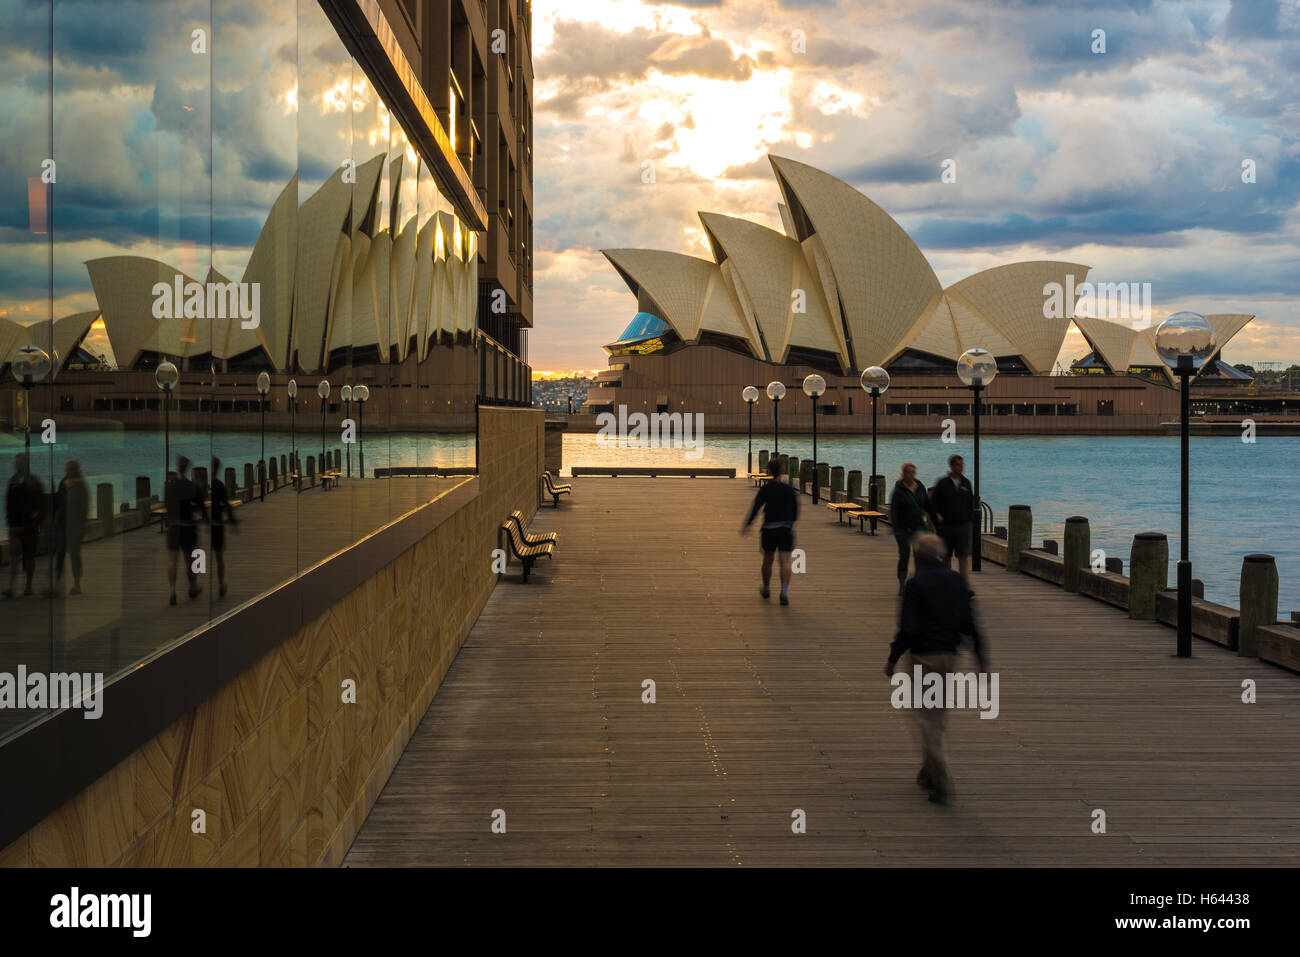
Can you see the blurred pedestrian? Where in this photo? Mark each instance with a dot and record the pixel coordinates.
(908, 509)
(952, 502)
(780, 506)
(25, 509)
(218, 516)
(71, 508)
(182, 499)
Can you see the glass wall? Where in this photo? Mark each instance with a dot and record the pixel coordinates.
(236, 320)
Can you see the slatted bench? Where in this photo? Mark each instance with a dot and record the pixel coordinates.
(329, 478)
(840, 508)
(554, 490)
(526, 553)
(518, 518)
(864, 515)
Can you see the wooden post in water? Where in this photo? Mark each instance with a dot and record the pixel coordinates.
(1078, 548)
(1020, 533)
(805, 477)
(248, 480)
(855, 484)
(763, 456)
(837, 482)
(823, 476)
(1258, 601)
(1148, 571)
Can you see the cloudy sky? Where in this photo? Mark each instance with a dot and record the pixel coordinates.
(1130, 160)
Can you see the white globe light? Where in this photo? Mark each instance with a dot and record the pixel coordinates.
(1185, 334)
(977, 367)
(30, 364)
(814, 385)
(345, 393)
(323, 388)
(875, 380)
(263, 383)
(166, 376)
(750, 394)
(361, 393)
(775, 391)
(292, 388)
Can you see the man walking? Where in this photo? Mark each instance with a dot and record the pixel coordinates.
(25, 509)
(936, 614)
(182, 499)
(780, 505)
(952, 504)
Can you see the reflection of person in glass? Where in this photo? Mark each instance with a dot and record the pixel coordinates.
(182, 498)
(24, 510)
(71, 506)
(221, 511)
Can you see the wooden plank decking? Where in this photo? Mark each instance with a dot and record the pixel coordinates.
(763, 709)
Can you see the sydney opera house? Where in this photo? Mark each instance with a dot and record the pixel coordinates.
(844, 287)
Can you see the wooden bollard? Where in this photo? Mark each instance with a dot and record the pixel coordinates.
(261, 476)
(142, 494)
(284, 467)
(201, 480)
(806, 477)
(275, 476)
(789, 467)
(855, 484)
(1020, 534)
(338, 459)
(1115, 566)
(763, 456)
(311, 471)
(999, 531)
(1148, 574)
(104, 507)
(1198, 588)
(878, 483)
(1258, 600)
(837, 480)
(1078, 547)
(823, 476)
(1051, 546)
(231, 490)
(248, 480)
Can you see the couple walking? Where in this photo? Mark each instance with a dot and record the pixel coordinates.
(949, 505)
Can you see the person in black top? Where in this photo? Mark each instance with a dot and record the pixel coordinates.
(221, 511)
(908, 507)
(182, 498)
(25, 509)
(936, 614)
(952, 504)
(71, 506)
(780, 506)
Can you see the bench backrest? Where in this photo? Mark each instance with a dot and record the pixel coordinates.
(516, 538)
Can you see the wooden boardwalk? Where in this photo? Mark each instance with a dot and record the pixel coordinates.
(763, 709)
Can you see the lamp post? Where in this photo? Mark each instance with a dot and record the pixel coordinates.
(322, 390)
(875, 381)
(346, 394)
(813, 387)
(165, 377)
(1184, 342)
(776, 392)
(263, 387)
(361, 393)
(750, 395)
(977, 369)
(292, 389)
(29, 364)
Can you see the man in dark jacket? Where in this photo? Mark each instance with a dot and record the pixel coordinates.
(952, 505)
(936, 614)
(25, 509)
(780, 504)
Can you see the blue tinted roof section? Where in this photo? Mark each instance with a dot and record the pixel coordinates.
(644, 326)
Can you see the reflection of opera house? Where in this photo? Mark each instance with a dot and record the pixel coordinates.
(344, 289)
(844, 288)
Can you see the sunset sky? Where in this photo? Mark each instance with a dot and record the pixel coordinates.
(1128, 160)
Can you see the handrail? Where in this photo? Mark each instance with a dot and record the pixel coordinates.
(986, 513)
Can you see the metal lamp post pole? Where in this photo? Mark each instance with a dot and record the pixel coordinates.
(816, 480)
(776, 426)
(871, 497)
(1185, 371)
(977, 539)
(749, 467)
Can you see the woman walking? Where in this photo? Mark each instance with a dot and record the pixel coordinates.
(71, 506)
(908, 507)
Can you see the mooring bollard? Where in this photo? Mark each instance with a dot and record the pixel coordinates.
(104, 507)
(855, 484)
(1148, 574)
(275, 477)
(789, 467)
(805, 477)
(1078, 545)
(1115, 566)
(311, 471)
(142, 493)
(284, 467)
(248, 480)
(1198, 588)
(232, 491)
(823, 476)
(837, 481)
(763, 456)
(1051, 546)
(1258, 601)
(1020, 534)
(201, 480)
(878, 483)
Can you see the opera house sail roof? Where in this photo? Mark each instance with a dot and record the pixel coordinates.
(845, 287)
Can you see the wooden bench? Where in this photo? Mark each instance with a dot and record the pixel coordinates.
(526, 553)
(330, 478)
(553, 490)
(758, 478)
(864, 515)
(840, 508)
(518, 518)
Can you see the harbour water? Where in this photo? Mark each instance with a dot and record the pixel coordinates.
(1241, 500)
